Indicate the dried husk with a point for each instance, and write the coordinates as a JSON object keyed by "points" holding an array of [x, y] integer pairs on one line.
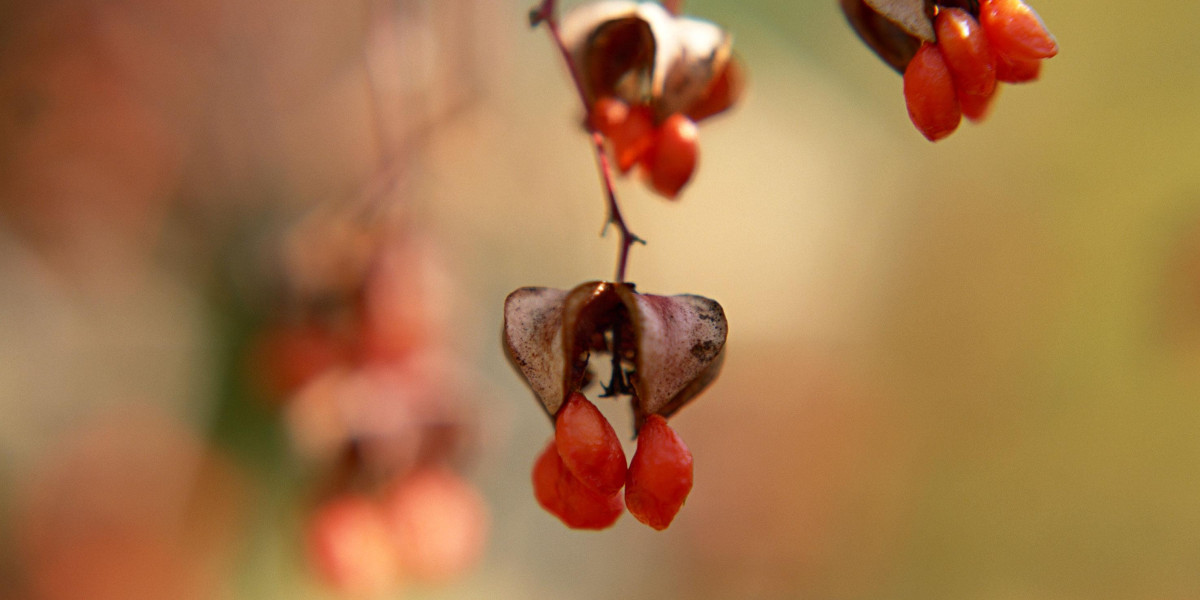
{"points": [[696, 55], [675, 343], [533, 318], [894, 29], [642, 54]]}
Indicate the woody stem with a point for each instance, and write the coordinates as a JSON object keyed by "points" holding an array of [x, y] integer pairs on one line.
{"points": [[545, 13]]}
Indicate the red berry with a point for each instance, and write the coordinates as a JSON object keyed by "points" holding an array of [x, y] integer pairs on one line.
{"points": [[589, 447], [671, 160], [564, 496], [607, 114], [289, 357], [976, 108], [546, 473], [349, 547], [437, 523], [1017, 70], [1015, 30], [929, 93], [630, 129], [660, 475], [965, 50]]}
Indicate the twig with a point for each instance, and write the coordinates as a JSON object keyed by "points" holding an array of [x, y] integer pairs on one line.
{"points": [[545, 13]]}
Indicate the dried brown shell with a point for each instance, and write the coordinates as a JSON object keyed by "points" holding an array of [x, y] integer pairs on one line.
{"points": [[895, 29], [642, 54], [894, 43], [675, 344], [680, 344], [533, 340]]}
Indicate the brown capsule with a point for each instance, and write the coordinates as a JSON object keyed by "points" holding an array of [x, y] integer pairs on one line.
{"points": [[895, 29], [672, 346], [642, 54]]}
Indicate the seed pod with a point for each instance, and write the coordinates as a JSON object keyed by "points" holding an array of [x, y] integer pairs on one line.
{"points": [[672, 346], [894, 29], [642, 54]]}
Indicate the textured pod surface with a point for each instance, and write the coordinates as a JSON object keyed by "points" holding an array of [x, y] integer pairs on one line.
{"points": [[676, 343], [913, 16], [680, 343], [640, 53], [533, 341], [894, 39], [695, 55]]}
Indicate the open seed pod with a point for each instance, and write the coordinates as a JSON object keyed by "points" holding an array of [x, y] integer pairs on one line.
{"points": [[672, 347], [642, 54], [894, 29]]}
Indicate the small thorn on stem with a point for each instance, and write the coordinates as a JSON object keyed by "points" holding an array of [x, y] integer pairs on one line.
{"points": [[542, 12], [545, 13]]}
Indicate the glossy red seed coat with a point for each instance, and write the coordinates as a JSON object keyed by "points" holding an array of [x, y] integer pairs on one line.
{"points": [[588, 446], [630, 129], [1017, 70], [660, 475], [966, 52], [1015, 30], [929, 94], [672, 158], [976, 108], [564, 496]]}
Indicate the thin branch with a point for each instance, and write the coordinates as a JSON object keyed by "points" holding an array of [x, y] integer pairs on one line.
{"points": [[545, 13]]}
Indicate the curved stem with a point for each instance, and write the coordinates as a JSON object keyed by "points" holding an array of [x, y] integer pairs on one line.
{"points": [[546, 13]]}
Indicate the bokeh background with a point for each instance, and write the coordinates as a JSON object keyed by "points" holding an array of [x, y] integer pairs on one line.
{"points": [[963, 370]]}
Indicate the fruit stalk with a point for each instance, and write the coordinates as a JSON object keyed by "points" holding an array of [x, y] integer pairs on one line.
{"points": [[546, 14]]}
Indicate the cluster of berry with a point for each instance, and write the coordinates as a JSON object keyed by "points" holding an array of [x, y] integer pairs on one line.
{"points": [[958, 74], [647, 76], [666, 152], [372, 399], [579, 475], [666, 350]]}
